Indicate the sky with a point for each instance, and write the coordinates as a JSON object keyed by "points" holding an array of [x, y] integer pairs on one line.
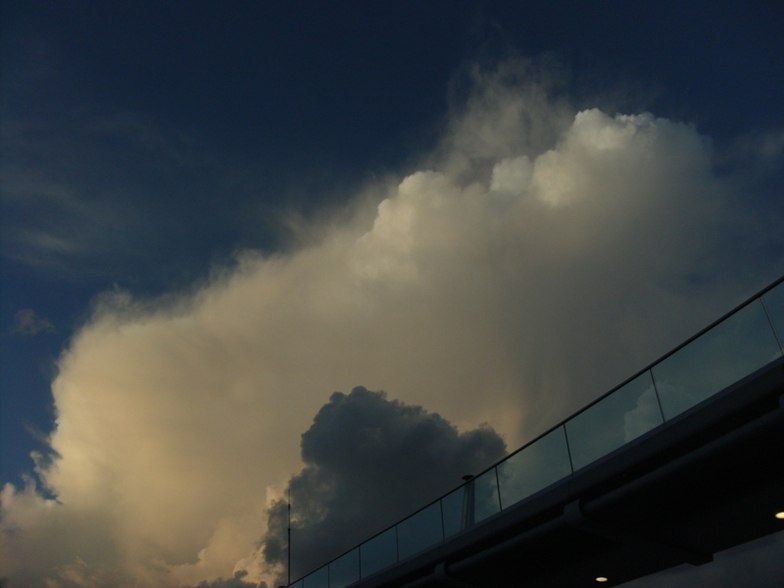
{"points": [[257, 247]]}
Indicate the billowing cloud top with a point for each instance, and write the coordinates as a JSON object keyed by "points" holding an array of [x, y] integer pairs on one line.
{"points": [[540, 257], [369, 463]]}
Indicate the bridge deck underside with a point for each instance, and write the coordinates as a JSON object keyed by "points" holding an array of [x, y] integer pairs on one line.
{"points": [[710, 480]]}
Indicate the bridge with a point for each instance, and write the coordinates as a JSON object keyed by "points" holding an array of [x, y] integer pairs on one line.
{"points": [[682, 460]]}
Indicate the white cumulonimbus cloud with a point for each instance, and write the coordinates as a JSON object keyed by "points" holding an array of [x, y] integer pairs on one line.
{"points": [[540, 257]]}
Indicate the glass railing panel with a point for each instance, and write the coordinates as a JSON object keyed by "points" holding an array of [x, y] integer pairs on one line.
{"points": [[317, 579], [739, 345], [452, 511], [774, 302], [534, 467], [612, 422], [344, 570], [420, 531], [378, 552], [297, 584], [486, 501]]}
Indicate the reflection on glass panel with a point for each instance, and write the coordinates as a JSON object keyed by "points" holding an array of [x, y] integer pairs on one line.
{"points": [[420, 531], [741, 344], [774, 301], [615, 420], [486, 501], [297, 584], [378, 553], [317, 579], [542, 463], [344, 570], [452, 509]]}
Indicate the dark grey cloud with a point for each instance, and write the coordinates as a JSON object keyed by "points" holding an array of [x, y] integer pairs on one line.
{"points": [[369, 462]]}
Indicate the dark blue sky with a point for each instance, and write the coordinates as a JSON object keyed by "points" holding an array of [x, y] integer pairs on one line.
{"points": [[144, 142]]}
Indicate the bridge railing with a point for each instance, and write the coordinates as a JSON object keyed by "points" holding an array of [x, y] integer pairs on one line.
{"points": [[737, 345]]}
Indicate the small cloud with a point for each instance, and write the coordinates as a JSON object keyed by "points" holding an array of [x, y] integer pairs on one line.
{"points": [[27, 323]]}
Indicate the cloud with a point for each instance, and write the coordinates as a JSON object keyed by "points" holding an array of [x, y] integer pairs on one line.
{"points": [[235, 582], [363, 451], [27, 323], [85, 196], [536, 259]]}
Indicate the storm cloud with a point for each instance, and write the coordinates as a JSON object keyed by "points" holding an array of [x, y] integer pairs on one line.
{"points": [[539, 256], [369, 462]]}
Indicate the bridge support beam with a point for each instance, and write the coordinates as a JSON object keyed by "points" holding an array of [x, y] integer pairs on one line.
{"points": [[575, 518], [444, 578]]}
